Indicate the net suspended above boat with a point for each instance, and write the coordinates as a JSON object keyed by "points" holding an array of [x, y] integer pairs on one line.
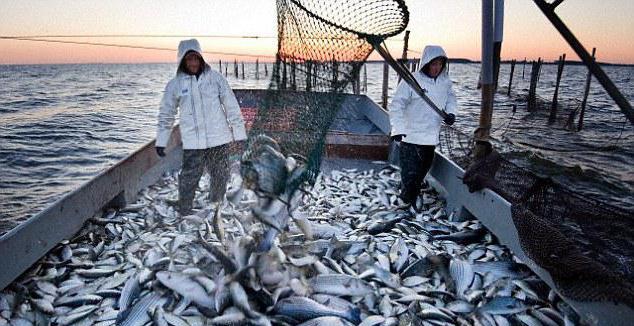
{"points": [[322, 46]]}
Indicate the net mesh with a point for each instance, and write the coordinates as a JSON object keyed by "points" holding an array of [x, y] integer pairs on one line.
{"points": [[321, 48]]}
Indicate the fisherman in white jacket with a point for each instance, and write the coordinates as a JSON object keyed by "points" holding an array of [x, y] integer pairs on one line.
{"points": [[416, 125], [210, 119]]}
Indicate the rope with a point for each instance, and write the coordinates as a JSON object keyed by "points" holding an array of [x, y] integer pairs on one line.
{"points": [[129, 46], [136, 36]]}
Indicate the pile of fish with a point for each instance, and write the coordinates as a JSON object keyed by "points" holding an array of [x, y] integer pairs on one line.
{"points": [[348, 253]]}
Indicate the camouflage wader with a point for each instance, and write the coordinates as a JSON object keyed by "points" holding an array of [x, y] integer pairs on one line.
{"points": [[195, 161], [415, 161]]}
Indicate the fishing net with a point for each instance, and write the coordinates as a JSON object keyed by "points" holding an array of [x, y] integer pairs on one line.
{"points": [[585, 244], [322, 46]]}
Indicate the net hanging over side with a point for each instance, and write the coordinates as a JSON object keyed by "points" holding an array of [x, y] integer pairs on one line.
{"points": [[583, 243]]}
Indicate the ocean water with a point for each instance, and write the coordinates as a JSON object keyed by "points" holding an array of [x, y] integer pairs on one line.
{"points": [[60, 125]]}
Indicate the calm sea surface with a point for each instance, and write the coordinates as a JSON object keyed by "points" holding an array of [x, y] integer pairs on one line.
{"points": [[62, 124]]}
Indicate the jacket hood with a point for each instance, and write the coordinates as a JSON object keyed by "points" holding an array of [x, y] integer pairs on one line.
{"points": [[186, 46], [430, 53]]}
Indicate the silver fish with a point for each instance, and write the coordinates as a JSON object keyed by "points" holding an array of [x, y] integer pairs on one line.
{"points": [[340, 285], [303, 309]]}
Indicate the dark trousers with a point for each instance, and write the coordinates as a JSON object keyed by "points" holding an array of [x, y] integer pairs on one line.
{"points": [[415, 162], [195, 162]]}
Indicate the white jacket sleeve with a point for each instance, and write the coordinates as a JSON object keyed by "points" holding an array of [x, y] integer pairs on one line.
{"points": [[396, 108], [452, 104], [232, 109], [167, 112]]}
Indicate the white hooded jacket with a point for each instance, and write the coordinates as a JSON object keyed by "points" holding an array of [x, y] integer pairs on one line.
{"points": [[209, 112], [410, 115]]}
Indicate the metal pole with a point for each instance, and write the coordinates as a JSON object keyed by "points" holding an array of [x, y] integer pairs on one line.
{"points": [[482, 133], [585, 95], [596, 70], [499, 34]]}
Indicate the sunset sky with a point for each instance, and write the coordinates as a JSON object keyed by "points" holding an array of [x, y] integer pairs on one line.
{"points": [[454, 24]]}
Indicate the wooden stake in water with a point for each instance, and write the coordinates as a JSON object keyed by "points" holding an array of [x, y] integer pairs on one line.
{"points": [[532, 91], [508, 92], [335, 73], [404, 56], [309, 73], [293, 76], [523, 68], [586, 91], [257, 69], [266, 70], [365, 77], [242, 64], [356, 81], [284, 78], [560, 70], [235, 68], [220, 66], [386, 75]]}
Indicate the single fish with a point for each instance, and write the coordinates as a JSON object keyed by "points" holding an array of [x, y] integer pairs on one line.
{"points": [[340, 285], [129, 293], [303, 309], [463, 237], [187, 288], [503, 306], [138, 314], [399, 254], [462, 274]]}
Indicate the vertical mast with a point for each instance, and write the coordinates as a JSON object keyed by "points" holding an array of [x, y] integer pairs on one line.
{"points": [[486, 110]]}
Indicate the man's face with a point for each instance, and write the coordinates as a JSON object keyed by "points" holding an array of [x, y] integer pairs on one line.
{"points": [[435, 67], [192, 62]]}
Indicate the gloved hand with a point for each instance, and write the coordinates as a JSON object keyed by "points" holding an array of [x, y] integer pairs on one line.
{"points": [[397, 138], [160, 151], [450, 119]]}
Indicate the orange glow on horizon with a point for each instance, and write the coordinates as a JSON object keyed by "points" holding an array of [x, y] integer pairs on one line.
{"points": [[455, 25]]}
